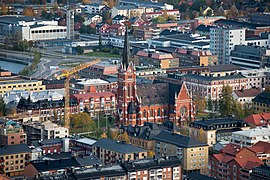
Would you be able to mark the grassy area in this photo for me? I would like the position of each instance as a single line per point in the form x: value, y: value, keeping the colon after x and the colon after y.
x: 101, y: 54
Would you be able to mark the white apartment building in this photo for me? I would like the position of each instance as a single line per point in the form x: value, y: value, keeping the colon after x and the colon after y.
x: 130, y: 11
x: 44, y: 130
x: 252, y: 136
x: 31, y: 29
x: 256, y: 77
x: 223, y: 40
x: 93, y: 8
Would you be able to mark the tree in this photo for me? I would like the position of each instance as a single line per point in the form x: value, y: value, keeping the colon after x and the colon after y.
x: 238, y: 110
x: 79, y: 50
x: 200, y: 104
x: 3, y: 110
x: 209, y: 103
x: 23, y: 45
x: 226, y: 102
x: 106, y: 18
x: 124, y: 137
x: 151, y: 154
x: 28, y: 11
x: 100, y: 42
x: 113, y: 134
x: 104, y: 135
x: 86, y: 110
x: 159, y: 20
x: 55, y: 6
x: 82, y: 120
x: 200, y: 136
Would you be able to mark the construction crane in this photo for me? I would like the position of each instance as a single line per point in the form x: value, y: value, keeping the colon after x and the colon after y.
x: 67, y: 74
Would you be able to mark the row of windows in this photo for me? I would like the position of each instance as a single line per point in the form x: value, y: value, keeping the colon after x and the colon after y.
x: 48, y: 31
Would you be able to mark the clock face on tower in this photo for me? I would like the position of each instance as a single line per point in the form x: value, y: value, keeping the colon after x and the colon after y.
x: 183, y: 111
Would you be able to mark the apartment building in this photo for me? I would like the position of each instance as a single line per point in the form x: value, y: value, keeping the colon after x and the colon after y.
x: 192, y: 57
x: 44, y: 130
x: 259, y: 78
x: 245, y: 96
x: 223, y: 41
x: 130, y: 11
x: 211, y: 86
x: 13, y: 159
x: 166, y: 168
x: 260, y: 173
x: 251, y: 136
x: 217, y: 129
x: 11, y: 133
x: 93, y: 8
x: 96, y: 102
x: 250, y: 57
x: 192, y: 153
x: 156, y: 59
x: 262, y: 102
x: 46, y: 109
x: 10, y: 82
x: 234, y: 163
x: 112, y: 152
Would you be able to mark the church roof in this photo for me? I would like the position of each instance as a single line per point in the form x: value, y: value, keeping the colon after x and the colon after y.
x: 153, y: 93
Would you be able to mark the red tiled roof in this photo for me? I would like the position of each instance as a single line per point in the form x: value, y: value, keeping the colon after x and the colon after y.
x: 93, y: 95
x: 223, y: 158
x: 248, y: 92
x: 231, y: 149
x: 261, y: 147
x: 248, y: 163
x: 256, y: 119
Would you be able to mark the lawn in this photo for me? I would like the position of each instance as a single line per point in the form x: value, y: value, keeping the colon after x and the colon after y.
x: 102, y: 54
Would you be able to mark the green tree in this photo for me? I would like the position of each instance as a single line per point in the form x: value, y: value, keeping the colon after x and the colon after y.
x: 82, y: 120
x: 124, y: 137
x: 79, y: 50
x: 100, y: 42
x: 226, y: 101
x: 238, y: 110
x: 209, y: 103
x: 200, y: 136
x: 159, y: 20
x: 200, y: 104
x: 106, y: 18
x: 3, y: 110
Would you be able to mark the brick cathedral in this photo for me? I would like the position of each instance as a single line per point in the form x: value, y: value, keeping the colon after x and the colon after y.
x: 150, y: 102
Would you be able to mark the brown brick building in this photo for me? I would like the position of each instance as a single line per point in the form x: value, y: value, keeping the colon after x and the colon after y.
x: 12, y: 133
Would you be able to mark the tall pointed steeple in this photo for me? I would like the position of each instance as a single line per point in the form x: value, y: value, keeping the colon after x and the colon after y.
x: 125, y: 60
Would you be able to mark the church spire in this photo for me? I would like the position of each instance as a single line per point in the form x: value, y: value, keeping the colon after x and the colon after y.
x: 125, y: 60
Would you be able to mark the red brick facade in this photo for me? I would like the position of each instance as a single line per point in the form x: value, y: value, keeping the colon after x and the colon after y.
x: 139, y: 103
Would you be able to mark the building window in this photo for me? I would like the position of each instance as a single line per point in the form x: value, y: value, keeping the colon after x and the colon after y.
x: 159, y: 112
x: 151, y: 113
x: 144, y: 113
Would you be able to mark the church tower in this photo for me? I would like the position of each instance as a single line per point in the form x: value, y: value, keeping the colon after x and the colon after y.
x: 126, y: 92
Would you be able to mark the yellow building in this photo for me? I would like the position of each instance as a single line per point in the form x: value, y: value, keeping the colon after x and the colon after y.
x: 261, y: 103
x: 13, y: 159
x: 112, y: 152
x: 211, y: 131
x: 192, y: 153
x: 10, y: 83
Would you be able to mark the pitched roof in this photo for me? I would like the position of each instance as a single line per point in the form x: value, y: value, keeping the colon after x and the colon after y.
x: 14, y: 149
x: 231, y: 149
x: 260, y: 147
x: 92, y: 95
x: 178, y: 140
x: 248, y: 92
x: 117, y: 146
x: 152, y: 94
x: 264, y: 98
x: 258, y: 119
